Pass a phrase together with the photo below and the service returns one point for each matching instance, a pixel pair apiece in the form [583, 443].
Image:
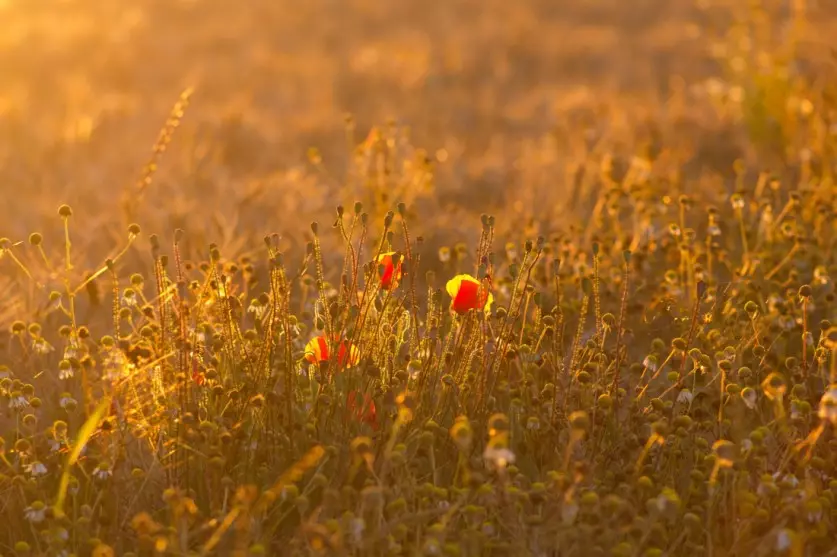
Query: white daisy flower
[35, 513]
[41, 346]
[72, 349]
[828, 405]
[748, 395]
[102, 472]
[36, 469]
[129, 298]
[685, 396]
[257, 309]
[18, 401]
[498, 457]
[65, 401]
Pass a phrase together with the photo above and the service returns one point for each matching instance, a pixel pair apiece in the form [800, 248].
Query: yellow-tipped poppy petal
[316, 350]
[454, 284]
[468, 293]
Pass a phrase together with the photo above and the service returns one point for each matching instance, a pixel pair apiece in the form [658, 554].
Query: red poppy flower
[389, 270]
[468, 293]
[197, 375]
[365, 412]
[316, 351]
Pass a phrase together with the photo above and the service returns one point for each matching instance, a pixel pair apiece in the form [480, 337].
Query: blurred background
[511, 103]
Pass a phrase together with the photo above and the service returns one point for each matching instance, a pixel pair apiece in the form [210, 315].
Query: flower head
[257, 308]
[41, 346]
[102, 471]
[317, 351]
[36, 469]
[362, 408]
[36, 512]
[498, 456]
[827, 410]
[468, 293]
[18, 401]
[389, 269]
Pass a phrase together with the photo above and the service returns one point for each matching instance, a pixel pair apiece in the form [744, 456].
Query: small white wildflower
[5, 372]
[746, 445]
[18, 401]
[828, 405]
[667, 502]
[764, 490]
[65, 401]
[533, 424]
[783, 540]
[41, 346]
[65, 372]
[748, 395]
[431, 546]
[685, 396]
[73, 348]
[788, 479]
[129, 298]
[257, 309]
[569, 510]
[356, 528]
[650, 363]
[35, 513]
[102, 472]
[36, 469]
[498, 457]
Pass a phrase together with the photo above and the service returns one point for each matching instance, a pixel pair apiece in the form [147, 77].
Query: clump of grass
[596, 399]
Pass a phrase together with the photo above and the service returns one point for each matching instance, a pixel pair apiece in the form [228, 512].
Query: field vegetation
[455, 278]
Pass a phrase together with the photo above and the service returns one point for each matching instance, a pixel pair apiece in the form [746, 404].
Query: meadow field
[464, 278]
